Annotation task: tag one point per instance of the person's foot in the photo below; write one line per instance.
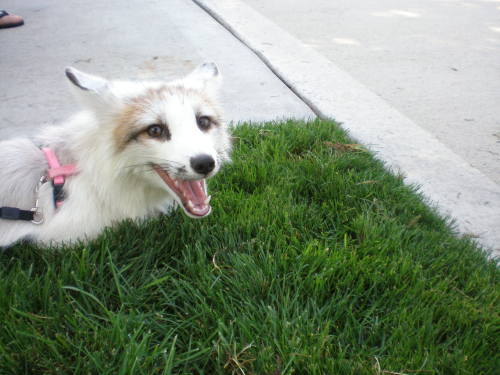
(9, 20)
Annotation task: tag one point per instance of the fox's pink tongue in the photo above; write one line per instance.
(193, 196)
(193, 191)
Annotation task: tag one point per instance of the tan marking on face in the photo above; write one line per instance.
(128, 121)
(128, 125)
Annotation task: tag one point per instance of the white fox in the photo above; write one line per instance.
(137, 149)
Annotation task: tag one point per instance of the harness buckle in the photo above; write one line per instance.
(37, 211)
(37, 216)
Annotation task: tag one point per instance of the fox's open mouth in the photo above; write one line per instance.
(191, 193)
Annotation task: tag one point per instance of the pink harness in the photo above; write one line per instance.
(57, 174)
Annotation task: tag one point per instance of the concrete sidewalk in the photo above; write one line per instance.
(437, 62)
(134, 39)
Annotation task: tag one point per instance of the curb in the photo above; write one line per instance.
(449, 182)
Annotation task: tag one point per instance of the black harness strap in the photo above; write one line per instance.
(11, 213)
(58, 194)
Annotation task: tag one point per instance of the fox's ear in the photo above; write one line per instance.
(93, 90)
(206, 77)
(87, 82)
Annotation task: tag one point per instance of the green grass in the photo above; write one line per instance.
(314, 261)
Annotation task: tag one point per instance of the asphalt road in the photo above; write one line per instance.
(436, 61)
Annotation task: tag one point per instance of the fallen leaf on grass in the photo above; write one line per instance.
(414, 221)
(368, 182)
(344, 147)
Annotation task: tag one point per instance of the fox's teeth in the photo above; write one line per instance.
(190, 204)
(207, 201)
(176, 183)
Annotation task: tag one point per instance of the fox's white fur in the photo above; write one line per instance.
(116, 157)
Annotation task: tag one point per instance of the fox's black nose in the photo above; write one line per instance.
(203, 164)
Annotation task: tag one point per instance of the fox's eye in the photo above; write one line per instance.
(155, 131)
(204, 122)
